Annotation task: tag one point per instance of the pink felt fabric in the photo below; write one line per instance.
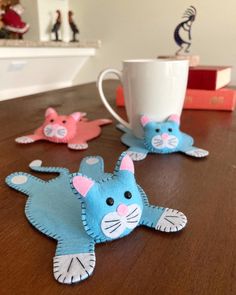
(82, 184)
(174, 118)
(127, 164)
(75, 130)
(145, 120)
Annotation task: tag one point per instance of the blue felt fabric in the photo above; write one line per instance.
(59, 211)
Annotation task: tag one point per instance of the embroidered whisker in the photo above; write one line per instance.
(131, 217)
(132, 212)
(112, 225)
(115, 228)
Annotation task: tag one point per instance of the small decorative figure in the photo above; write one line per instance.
(56, 27)
(13, 22)
(185, 26)
(73, 26)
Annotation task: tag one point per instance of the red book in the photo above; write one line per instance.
(209, 77)
(222, 99)
(120, 101)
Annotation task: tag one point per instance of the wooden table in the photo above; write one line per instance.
(199, 260)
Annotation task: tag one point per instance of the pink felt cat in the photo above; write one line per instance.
(75, 130)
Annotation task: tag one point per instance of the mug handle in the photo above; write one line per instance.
(103, 98)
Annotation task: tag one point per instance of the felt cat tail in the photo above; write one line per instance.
(36, 165)
(101, 122)
(23, 182)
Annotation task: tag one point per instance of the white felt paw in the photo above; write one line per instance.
(92, 160)
(19, 179)
(73, 268)
(198, 153)
(78, 146)
(171, 221)
(36, 163)
(24, 139)
(135, 156)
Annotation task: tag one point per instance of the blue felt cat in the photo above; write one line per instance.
(89, 207)
(160, 138)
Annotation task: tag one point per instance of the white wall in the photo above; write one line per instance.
(31, 16)
(144, 29)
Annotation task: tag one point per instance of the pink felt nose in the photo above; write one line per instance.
(54, 127)
(122, 210)
(165, 135)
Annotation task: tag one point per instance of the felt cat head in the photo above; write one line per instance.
(162, 137)
(60, 128)
(111, 208)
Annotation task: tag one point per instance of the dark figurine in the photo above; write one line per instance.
(73, 26)
(57, 25)
(180, 39)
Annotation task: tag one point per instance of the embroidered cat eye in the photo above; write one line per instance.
(64, 121)
(109, 201)
(51, 120)
(157, 130)
(170, 129)
(128, 195)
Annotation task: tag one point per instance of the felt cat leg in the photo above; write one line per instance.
(74, 260)
(137, 153)
(93, 167)
(163, 219)
(160, 218)
(188, 148)
(77, 145)
(123, 128)
(85, 132)
(195, 152)
(29, 138)
(23, 182)
(137, 150)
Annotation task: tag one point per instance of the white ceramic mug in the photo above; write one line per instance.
(154, 87)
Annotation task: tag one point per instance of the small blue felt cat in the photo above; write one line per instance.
(110, 206)
(160, 138)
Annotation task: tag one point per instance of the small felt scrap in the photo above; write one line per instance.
(75, 130)
(82, 209)
(160, 138)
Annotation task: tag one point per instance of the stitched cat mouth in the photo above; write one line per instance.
(113, 224)
(160, 142)
(55, 130)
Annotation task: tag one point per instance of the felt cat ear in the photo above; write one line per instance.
(174, 118)
(126, 163)
(77, 116)
(82, 184)
(145, 120)
(50, 112)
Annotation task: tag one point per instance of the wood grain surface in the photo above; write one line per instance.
(199, 260)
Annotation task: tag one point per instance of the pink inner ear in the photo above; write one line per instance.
(145, 120)
(127, 164)
(50, 111)
(82, 184)
(77, 116)
(174, 118)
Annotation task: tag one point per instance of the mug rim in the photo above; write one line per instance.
(157, 60)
